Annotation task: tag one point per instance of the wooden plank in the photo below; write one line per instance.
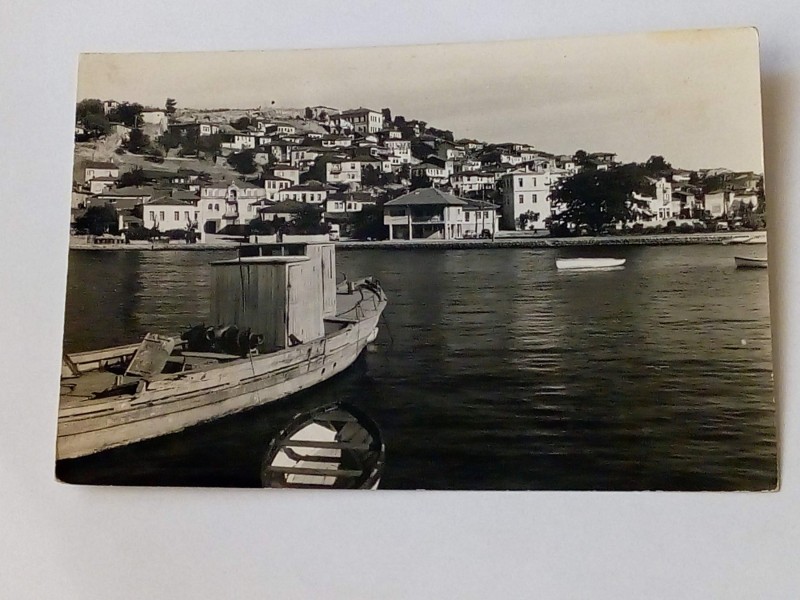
(151, 357)
(316, 472)
(210, 355)
(332, 445)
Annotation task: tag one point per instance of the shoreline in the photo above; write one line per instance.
(676, 239)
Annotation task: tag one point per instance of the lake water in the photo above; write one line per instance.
(496, 371)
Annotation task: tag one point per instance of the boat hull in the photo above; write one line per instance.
(585, 264)
(744, 262)
(179, 401)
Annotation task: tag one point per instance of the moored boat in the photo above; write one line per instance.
(281, 325)
(749, 262)
(589, 263)
(334, 447)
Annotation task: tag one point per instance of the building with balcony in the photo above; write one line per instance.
(429, 213)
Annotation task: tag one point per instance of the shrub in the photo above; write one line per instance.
(686, 228)
(672, 227)
(637, 228)
(140, 233)
(699, 227)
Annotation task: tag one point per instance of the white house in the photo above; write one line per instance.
(273, 184)
(98, 185)
(166, 214)
(233, 203)
(435, 173)
(156, 117)
(343, 171)
(287, 172)
(399, 148)
(528, 192)
(472, 181)
(479, 218)
(312, 192)
(95, 169)
(363, 120)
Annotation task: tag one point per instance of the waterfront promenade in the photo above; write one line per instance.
(503, 241)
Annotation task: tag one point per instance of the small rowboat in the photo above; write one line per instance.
(334, 447)
(589, 263)
(747, 262)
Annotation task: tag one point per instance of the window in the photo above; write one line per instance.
(186, 215)
(216, 207)
(534, 197)
(196, 215)
(534, 182)
(466, 216)
(210, 207)
(486, 214)
(177, 215)
(521, 198)
(152, 215)
(520, 182)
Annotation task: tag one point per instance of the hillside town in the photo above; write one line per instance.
(203, 176)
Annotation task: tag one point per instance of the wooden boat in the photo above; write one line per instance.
(334, 447)
(589, 263)
(749, 262)
(283, 326)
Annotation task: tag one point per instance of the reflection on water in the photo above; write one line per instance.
(496, 370)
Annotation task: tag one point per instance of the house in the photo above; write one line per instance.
(167, 213)
(479, 217)
(399, 148)
(449, 150)
(343, 171)
(363, 120)
(287, 172)
(122, 198)
(717, 203)
(239, 141)
(198, 129)
(101, 184)
(228, 203)
(350, 202)
(425, 213)
(657, 207)
(311, 192)
(109, 105)
(435, 173)
(286, 210)
(467, 182)
(156, 118)
(94, 169)
(336, 141)
(528, 193)
(273, 184)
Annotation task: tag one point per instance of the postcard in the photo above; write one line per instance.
(529, 265)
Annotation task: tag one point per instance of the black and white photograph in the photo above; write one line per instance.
(516, 265)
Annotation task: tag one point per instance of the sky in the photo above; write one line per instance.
(693, 96)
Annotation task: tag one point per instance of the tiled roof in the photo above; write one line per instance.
(427, 196)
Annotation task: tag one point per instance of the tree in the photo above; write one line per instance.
(656, 166)
(91, 115)
(137, 141)
(594, 199)
(420, 181)
(127, 114)
(242, 123)
(89, 106)
(243, 162)
(368, 223)
(372, 176)
(387, 115)
(169, 107)
(308, 221)
(323, 115)
(309, 113)
(99, 220)
(134, 177)
(581, 158)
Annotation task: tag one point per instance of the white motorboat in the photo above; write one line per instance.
(589, 263)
